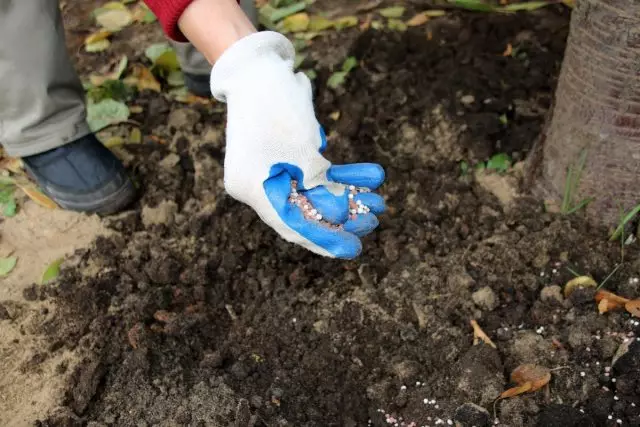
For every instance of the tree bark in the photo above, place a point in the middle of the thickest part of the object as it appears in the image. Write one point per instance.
(596, 114)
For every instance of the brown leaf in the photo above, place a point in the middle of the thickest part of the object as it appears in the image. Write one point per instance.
(514, 391)
(164, 316)
(602, 294)
(633, 307)
(537, 376)
(418, 20)
(508, 50)
(479, 335)
(134, 335)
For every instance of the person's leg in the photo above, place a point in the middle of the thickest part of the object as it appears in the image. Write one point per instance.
(42, 113)
(195, 66)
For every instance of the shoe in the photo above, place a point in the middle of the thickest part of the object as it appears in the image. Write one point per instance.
(198, 84)
(82, 176)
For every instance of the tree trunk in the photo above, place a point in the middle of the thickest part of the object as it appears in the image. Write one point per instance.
(594, 129)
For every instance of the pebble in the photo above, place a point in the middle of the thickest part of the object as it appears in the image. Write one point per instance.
(468, 99)
(485, 298)
(551, 293)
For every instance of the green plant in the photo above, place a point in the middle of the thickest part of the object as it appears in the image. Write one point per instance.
(572, 182)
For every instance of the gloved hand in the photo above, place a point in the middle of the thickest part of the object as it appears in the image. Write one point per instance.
(274, 138)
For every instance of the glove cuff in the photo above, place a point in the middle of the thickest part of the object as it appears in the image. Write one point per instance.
(249, 55)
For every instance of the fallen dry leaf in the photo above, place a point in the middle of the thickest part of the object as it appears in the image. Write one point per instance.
(12, 164)
(529, 378)
(134, 335)
(603, 294)
(97, 36)
(37, 196)
(479, 335)
(579, 282)
(514, 391)
(143, 78)
(417, 20)
(633, 307)
(508, 51)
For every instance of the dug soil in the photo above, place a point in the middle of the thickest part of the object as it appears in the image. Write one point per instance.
(194, 313)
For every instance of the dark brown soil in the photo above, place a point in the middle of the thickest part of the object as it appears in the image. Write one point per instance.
(194, 313)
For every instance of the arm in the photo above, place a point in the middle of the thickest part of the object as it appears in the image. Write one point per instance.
(273, 154)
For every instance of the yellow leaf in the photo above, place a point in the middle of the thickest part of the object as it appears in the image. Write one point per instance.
(114, 5)
(113, 141)
(136, 109)
(346, 22)
(98, 46)
(319, 23)
(418, 20)
(97, 36)
(115, 19)
(135, 137)
(143, 79)
(296, 22)
(579, 282)
(433, 13)
(335, 115)
(37, 196)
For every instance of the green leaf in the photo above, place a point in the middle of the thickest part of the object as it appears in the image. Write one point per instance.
(311, 74)
(51, 272)
(155, 50)
(99, 46)
(300, 57)
(392, 12)
(499, 162)
(464, 168)
(336, 79)
(7, 264)
(175, 78)
(396, 25)
(282, 12)
(477, 5)
(503, 119)
(528, 6)
(105, 113)
(346, 22)
(9, 209)
(319, 23)
(296, 23)
(167, 62)
(349, 64)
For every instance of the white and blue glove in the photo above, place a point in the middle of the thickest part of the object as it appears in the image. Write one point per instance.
(274, 138)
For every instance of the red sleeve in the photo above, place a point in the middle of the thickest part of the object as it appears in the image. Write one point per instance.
(168, 13)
